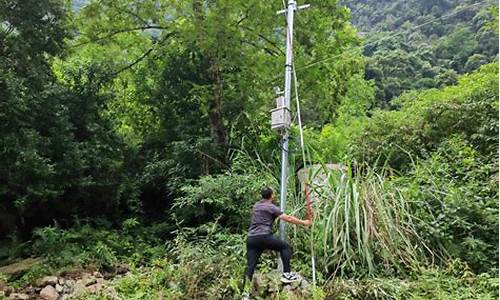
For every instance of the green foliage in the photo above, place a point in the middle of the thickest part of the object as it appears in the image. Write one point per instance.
(192, 82)
(332, 143)
(57, 149)
(408, 50)
(442, 284)
(454, 193)
(427, 118)
(102, 247)
(226, 198)
(199, 264)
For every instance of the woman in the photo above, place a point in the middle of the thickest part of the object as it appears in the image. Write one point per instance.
(260, 236)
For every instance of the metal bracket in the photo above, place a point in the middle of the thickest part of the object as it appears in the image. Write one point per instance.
(283, 11)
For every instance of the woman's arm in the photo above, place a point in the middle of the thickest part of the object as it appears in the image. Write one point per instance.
(294, 220)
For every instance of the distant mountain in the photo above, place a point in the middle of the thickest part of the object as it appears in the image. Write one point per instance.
(417, 44)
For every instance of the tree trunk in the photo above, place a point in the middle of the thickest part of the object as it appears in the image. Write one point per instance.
(218, 130)
(217, 127)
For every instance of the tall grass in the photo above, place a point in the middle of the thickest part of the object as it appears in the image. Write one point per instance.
(362, 224)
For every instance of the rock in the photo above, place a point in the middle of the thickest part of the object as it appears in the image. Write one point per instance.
(3, 286)
(59, 288)
(269, 285)
(95, 288)
(78, 288)
(61, 281)
(69, 283)
(68, 286)
(20, 267)
(121, 269)
(97, 274)
(88, 279)
(66, 290)
(49, 293)
(47, 280)
(304, 284)
(17, 296)
(7, 290)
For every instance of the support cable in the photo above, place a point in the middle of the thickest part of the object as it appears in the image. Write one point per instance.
(306, 183)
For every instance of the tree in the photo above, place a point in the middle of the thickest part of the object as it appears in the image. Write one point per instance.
(207, 70)
(59, 157)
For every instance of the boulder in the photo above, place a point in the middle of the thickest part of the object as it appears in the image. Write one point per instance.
(95, 288)
(97, 274)
(49, 293)
(78, 288)
(18, 296)
(88, 279)
(269, 286)
(18, 268)
(304, 284)
(287, 288)
(48, 280)
(121, 269)
(69, 283)
(6, 289)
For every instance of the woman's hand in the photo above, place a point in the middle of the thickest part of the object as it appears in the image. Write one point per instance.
(307, 223)
(294, 220)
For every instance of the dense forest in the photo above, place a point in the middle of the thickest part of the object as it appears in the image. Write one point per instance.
(423, 44)
(135, 137)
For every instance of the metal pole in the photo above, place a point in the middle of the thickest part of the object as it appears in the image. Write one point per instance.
(292, 5)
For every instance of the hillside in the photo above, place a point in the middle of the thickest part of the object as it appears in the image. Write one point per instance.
(423, 44)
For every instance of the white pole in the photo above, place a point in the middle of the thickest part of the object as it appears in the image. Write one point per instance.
(291, 7)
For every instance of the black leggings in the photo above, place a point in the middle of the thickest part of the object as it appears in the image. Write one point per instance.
(257, 244)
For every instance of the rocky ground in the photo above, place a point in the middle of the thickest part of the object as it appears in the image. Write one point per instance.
(79, 284)
(268, 285)
(65, 286)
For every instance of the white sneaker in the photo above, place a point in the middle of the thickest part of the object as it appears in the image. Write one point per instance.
(289, 277)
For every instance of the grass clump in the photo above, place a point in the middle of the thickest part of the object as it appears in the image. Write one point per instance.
(362, 225)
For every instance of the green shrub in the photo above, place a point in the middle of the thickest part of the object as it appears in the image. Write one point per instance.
(102, 247)
(429, 117)
(200, 263)
(227, 198)
(455, 198)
